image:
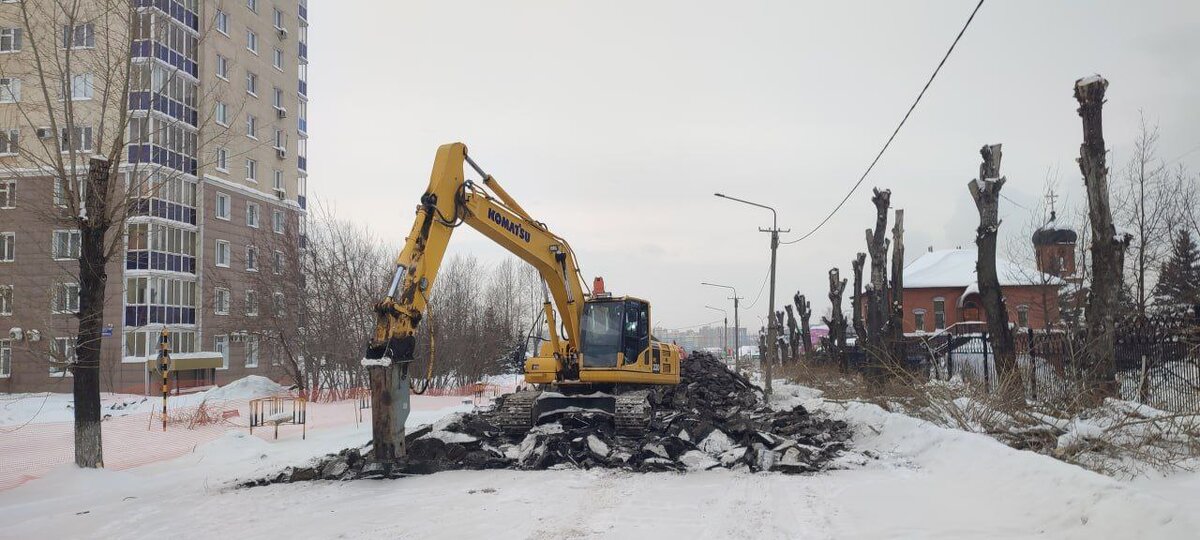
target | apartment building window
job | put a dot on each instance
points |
(251, 84)
(253, 5)
(222, 206)
(939, 313)
(222, 67)
(8, 246)
(10, 39)
(8, 194)
(277, 183)
(277, 221)
(79, 36)
(6, 299)
(1023, 316)
(78, 138)
(221, 301)
(222, 253)
(277, 16)
(5, 358)
(277, 98)
(8, 141)
(62, 355)
(221, 345)
(66, 245)
(251, 259)
(222, 159)
(252, 126)
(280, 144)
(919, 320)
(251, 303)
(252, 170)
(77, 188)
(277, 263)
(10, 90)
(251, 41)
(252, 351)
(277, 300)
(222, 113)
(222, 22)
(66, 298)
(277, 59)
(252, 214)
(79, 87)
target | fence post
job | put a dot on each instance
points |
(1144, 383)
(1032, 366)
(949, 356)
(987, 377)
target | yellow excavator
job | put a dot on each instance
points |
(598, 356)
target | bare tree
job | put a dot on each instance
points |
(836, 322)
(857, 304)
(874, 342)
(1144, 207)
(804, 310)
(1107, 247)
(985, 190)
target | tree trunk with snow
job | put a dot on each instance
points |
(793, 333)
(856, 300)
(1107, 247)
(986, 192)
(805, 312)
(896, 305)
(837, 322)
(93, 278)
(875, 344)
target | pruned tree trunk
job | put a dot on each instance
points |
(877, 290)
(1107, 247)
(837, 324)
(805, 312)
(986, 192)
(896, 305)
(793, 333)
(856, 301)
(781, 340)
(93, 277)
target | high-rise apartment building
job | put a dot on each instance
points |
(214, 172)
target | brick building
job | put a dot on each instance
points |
(941, 289)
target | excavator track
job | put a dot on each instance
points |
(634, 411)
(515, 413)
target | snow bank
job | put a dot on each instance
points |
(248, 387)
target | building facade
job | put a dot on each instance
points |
(214, 172)
(941, 290)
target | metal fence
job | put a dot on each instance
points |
(1158, 361)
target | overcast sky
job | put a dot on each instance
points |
(615, 121)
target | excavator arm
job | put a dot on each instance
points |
(448, 202)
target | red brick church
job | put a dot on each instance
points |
(941, 288)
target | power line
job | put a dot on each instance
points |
(760, 289)
(896, 131)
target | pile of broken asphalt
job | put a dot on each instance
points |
(715, 418)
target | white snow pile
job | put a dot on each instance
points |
(248, 387)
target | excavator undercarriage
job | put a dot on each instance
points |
(629, 408)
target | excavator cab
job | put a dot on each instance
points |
(616, 346)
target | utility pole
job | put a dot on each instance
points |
(725, 336)
(737, 350)
(772, 325)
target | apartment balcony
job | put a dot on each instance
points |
(302, 125)
(302, 163)
(303, 52)
(302, 201)
(303, 12)
(303, 88)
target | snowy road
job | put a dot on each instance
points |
(927, 482)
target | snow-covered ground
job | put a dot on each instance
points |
(907, 479)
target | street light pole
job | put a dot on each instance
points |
(737, 350)
(725, 336)
(772, 330)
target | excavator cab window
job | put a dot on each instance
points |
(637, 329)
(602, 333)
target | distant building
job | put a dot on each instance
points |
(941, 289)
